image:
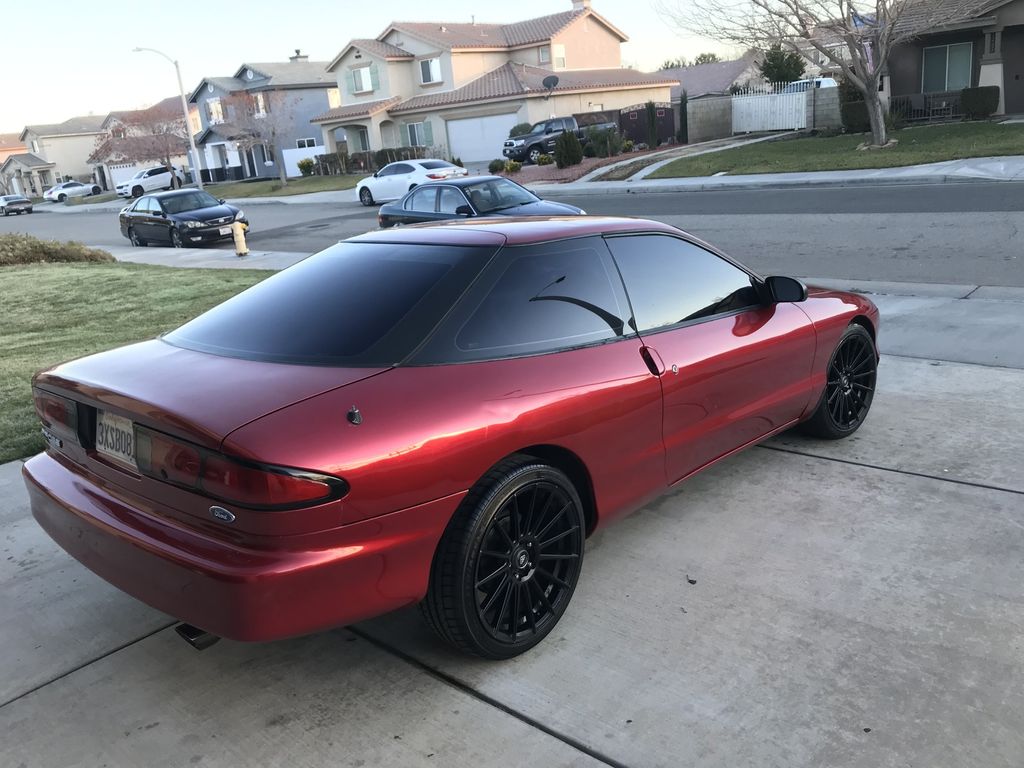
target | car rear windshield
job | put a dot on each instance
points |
(433, 165)
(189, 201)
(355, 304)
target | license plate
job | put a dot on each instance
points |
(225, 230)
(115, 438)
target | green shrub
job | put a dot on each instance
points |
(589, 150)
(855, 117)
(545, 160)
(606, 142)
(24, 249)
(652, 125)
(306, 166)
(496, 166)
(511, 166)
(568, 150)
(979, 103)
(848, 92)
(519, 129)
(627, 145)
(457, 161)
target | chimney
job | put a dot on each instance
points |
(299, 56)
(581, 5)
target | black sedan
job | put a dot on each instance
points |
(180, 218)
(14, 204)
(472, 196)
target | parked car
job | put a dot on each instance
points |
(432, 413)
(149, 180)
(472, 196)
(542, 136)
(58, 193)
(799, 86)
(178, 218)
(14, 204)
(395, 179)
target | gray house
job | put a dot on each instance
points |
(259, 118)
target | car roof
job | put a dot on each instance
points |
(174, 193)
(513, 230)
(465, 181)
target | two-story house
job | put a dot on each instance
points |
(55, 153)
(284, 95)
(458, 88)
(135, 139)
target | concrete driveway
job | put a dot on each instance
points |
(802, 604)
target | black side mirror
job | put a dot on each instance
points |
(376, 174)
(463, 210)
(221, 201)
(782, 289)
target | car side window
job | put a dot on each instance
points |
(545, 298)
(422, 200)
(387, 170)
(671, 281)
(145, 205)
(402, 168)
(450, 199)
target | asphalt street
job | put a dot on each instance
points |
(943, 233)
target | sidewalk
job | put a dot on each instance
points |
(203, 258)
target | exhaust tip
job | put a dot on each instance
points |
(198, 638)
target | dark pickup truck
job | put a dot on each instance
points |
(541, 138)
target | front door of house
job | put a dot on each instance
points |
(1013, 70)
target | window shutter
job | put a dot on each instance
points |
(404, 133)
(374, 77)
(350, 81)
(428, 134)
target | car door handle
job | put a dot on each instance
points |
(653, 360)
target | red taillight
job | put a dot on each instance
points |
(58, 414)
(437, 175)
(246, 484)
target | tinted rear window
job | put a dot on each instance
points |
(433, 165)
(365, 304)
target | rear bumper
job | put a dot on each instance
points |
(288, 586)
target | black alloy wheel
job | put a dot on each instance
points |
(176, 238)
(134, 238)
(849, 387)
(365, 196)
(507, 565)
(61, 198)
(137, 191)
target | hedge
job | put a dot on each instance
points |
(855, 117)
(980, 102)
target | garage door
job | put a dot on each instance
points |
(479, 138)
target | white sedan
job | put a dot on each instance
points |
(61, 192)
(395, 179)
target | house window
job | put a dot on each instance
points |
(544, 54)
(268, 154)
(358, 139)
(259, 105)
(361, 80)
(214, 111)
(430, 71)
(558, 51)
(305, 143)
(333, 98)
(35, 146)
(946, 67)
(416, 135)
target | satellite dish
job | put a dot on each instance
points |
(550, 82)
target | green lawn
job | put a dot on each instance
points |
(924, 144)
(56, 312)
(273, 188)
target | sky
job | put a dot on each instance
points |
(84, 64)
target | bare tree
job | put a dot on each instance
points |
(866, 31)
(262, 119)
(147, 135)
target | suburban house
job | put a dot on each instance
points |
(26, 174)
(10, 144)
(64, 148)
(135, 139)
(985, 48)
(459, 87)
(239, 114)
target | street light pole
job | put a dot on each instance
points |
(197, 174)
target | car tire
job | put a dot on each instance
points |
(533, 153)
(61, 198)
(137, 191)
(96, 190)
(508, 562)
(365, 196)
(134, 239)
(5, 211)
(849, 387)
(176, 241)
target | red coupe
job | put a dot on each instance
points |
(435, 414)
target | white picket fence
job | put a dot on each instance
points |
(767, 108)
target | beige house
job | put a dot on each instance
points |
(458, 88)
(66, 146)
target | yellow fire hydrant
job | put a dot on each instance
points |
(238, 230)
